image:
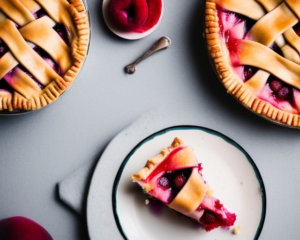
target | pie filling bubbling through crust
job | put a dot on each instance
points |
(43, 44)
(175, 178)
(255, 46)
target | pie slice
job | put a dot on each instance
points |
(175, 178)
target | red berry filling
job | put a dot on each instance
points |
(215, 215)
(249, 72)
(275, 85)
(208, 218)
(6, 86)
(174, 179)
(200, 168)
(179, 181)
(297, 28)
(283, 93)
(276, 49)
(164, 182)
(40, 13)
(169, 169)
(3, 48)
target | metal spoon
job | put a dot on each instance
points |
(162, 43)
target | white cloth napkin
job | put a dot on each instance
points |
(73, 189)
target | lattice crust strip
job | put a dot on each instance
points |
(31, 32)
(282, 68)
(42, 34)
(256, 52)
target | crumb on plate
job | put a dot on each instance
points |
(259, 190)
(147, 201)
(237, 230)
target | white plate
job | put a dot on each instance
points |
(229, 170)
(124, 34)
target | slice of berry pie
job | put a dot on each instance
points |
(175, 178)
(43, 44)
(255, 48)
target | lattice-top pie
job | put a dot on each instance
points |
(255, 47)
(175, 178)
(43, 44)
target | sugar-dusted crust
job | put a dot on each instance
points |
(71, 14)
(233, 85)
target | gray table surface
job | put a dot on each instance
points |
(39, 149)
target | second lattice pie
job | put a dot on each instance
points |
(255, 47)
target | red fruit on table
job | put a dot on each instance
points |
(21, 228)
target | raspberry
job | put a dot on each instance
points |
(248, 73)
(275, 85)
(164, 182)
(208, 218)
(283, 93)
(179, 181)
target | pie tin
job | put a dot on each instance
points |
(21, 112)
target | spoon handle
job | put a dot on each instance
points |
(162, 43)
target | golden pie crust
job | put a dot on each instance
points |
(287, 14)
(152, 163)
(27, 95)
(193, 192)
